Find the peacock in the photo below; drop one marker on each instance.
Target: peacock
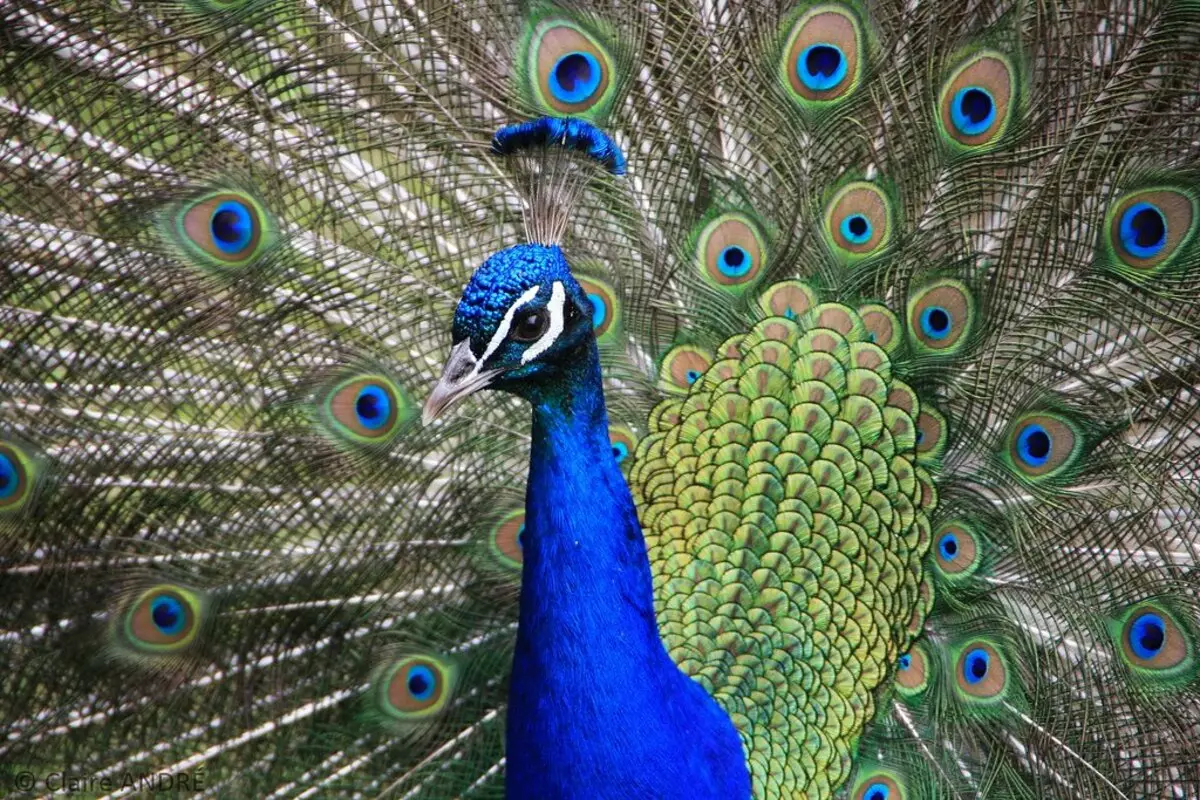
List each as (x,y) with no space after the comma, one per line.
(607,399)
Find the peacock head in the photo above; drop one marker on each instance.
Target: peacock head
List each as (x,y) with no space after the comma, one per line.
(522,319)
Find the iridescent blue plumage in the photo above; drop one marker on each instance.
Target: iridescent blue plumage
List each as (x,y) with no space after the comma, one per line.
(588,648)
(565,132)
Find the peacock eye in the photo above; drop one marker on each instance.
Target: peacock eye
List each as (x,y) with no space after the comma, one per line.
(530,326)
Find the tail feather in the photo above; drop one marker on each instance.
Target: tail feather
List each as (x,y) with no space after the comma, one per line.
(219,432)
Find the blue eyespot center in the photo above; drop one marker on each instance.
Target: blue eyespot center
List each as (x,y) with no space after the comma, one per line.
(973,110)
(575,77)
(877,791)
(821,67)
(167,614)
(904,662)
(734,261)
(232,227)
(856,229)
(936,322)
(1034,445)
(1147,636)
(975,666)
(421,682)
(372,407)
(9,479)
(692,376)
(620,451)
(1143,230)
(948,547)
(599,310)
(521,536)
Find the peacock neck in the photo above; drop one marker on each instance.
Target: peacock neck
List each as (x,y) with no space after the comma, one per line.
(595,700)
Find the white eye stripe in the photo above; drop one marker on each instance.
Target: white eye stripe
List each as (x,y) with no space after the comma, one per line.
(558,298)
(506,323)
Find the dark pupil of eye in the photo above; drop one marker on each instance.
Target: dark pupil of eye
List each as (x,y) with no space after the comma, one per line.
(978,667)
(1038,444)
(822,60)
(1149,226)
(417,684)
(734,256)
(950,546)
(530,326)
(572,70)
(225,226)
(1152,637)
(858,226)
(876,794)
(165,615)
(5,480)
(368,406)
(976,105)
(939,320)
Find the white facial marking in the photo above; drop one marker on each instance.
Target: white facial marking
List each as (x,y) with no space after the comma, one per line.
(506,323)
(558,298)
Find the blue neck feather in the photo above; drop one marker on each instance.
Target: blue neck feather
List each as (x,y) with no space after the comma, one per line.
(597,709)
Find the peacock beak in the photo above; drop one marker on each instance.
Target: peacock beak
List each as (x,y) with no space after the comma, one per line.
(460,377)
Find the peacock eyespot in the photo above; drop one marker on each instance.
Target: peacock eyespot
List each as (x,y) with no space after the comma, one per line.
(163,619)
(17,477)
(1153,641)
(570,71)
(858,221)
(911,675)
(956,551)
(1041,445)
(948,546)
(878,786)
(940,316)
(606,309)
(506,540)
(1147,228)
(167,614)
(973,110)
(575,77)
(530,326)
(822,56)
(931,435)
(936,323)
(225,227)
(232,227)
(981,672)
(623,443)
(977,101)
(416,687)
(367,408)
(975,665)
(1147,635)
(1034,445)
(730,251)
(683,366)
(734,261)
(1143,230)
(883,328)
(787,299)
(821,67)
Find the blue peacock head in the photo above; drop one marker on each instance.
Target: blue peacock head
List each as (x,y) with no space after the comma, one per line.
(523,317)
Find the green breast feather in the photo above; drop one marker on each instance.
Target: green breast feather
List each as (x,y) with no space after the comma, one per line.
(786,511)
